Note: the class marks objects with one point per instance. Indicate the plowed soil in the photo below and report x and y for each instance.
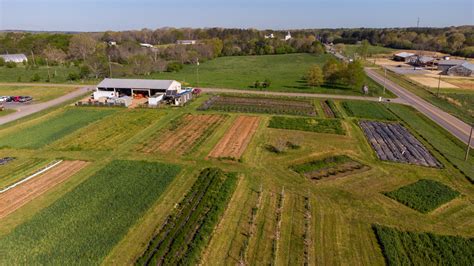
(18, 196)
(191, 130)
(237, 138)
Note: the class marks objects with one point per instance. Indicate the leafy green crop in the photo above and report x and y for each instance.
(332, 126)
(368, 110)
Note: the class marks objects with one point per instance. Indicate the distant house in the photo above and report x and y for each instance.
(288, 36)
(403, 57)
(186, 42)
(112, 43)
(445, 65)
(465, 69)
(269, 36)
(16, 58)
(146, 45)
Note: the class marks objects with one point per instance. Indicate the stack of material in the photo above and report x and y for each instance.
(393, 142)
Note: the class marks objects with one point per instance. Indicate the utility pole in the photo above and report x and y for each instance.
(384, 79)
(469, 143)
(47, 66)
(439, 84)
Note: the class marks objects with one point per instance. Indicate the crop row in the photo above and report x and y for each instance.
(186, 232)
(335, 166)
(368, 110)
(330, 126)
(329, 109)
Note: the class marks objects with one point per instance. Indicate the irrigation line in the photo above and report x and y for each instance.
(31, 176)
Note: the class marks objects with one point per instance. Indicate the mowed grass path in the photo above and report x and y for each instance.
(39, 94)
(85, 224)
(45, 132)
(240, 72)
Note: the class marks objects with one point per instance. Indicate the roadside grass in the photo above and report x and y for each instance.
(80, 228)
(56, 127)
(7, 112)
(104, 135)
(19, 169)
(367, 110)
(446, 144)
(39, 94)
(424, 195)
(352, 49)
(413, 248)
(331, 126)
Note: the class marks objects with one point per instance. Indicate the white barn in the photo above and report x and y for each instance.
(16, 58)
(128, 87)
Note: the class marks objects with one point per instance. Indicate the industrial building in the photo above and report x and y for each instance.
(445, 65)
(403, 57)
(16, 58)
(465, 69)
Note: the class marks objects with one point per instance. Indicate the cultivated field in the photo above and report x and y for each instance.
(237, 138)
(331, 126)
(19, 168)
(18, 196)
(259, 105)
(183, 135)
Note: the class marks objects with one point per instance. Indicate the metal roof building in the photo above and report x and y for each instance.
(147, 87)
(16, 58)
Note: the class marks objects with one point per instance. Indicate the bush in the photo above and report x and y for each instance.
(10, 64)
(2, 61)
(174, 67)
(36, 77)
(73, 76)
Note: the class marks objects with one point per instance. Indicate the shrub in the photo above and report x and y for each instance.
(36, 77)
(174, 67)
(10, 64)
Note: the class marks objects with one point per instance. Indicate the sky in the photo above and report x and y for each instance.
(101, 15)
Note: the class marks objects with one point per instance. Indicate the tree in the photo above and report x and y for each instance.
(315, 76)
(363, 49)
(81, 46)
(354, 74)
(331, 70)
(54, 54)
(141, 64)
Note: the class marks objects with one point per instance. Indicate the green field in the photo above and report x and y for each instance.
(331, 126)
(58, 74)
(410, 248)
(424, 195)
(352, 49)
(39, 94)
(41, 134)
(18, 169)
(367, 110)
(85, 224)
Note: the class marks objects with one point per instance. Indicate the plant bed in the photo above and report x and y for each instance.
(423, 195)
(393, 142)
(330, 167)
(187, 231)
(259, 105)
(412, 248)
(368, 110)
(331, 126)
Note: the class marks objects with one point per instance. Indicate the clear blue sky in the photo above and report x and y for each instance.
(99, 15)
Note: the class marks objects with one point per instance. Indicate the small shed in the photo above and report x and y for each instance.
(15, 58)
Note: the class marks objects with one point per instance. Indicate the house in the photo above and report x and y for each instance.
(444, 65)
(465, 69)
(403, 57)
(16, 58)
(146, 45)
(186, 42)
(288, 36)
(112, 43)
(269, 36)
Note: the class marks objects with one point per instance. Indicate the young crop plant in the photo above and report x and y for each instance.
(187, 231)
(85, 224)
(368, 110)
(331, 126)
(413, 248)
(424, 195)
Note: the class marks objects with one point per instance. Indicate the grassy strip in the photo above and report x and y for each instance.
(410, 248)
(187, 231)
(332, 126)
(19, 169)
(367, 110)
(320, 164)
(423, 195)
(55, 128)
(86, 223)
(447, 145)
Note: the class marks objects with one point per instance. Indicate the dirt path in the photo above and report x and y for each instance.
(237, 137)
(16, 197)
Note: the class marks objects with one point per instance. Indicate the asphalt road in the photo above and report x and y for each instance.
(23, 110)
(451, 123)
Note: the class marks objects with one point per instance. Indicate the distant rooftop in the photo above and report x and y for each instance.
(404, 54)
(451, 62)
(17, 58)
(136, 84)
(468, 65)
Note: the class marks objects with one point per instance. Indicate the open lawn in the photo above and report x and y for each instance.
(367, 110)
(20, 73)
(39, 94)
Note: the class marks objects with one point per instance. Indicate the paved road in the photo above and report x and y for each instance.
(457, 127)
(295, 94)
(28, 109)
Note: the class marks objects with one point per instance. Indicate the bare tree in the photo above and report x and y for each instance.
(54, 55)
(81, 46)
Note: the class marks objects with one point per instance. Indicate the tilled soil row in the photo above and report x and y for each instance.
(15, 198)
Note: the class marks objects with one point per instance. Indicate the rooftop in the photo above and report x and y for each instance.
(452, 62)
(136, 84)
(468, 65)
(404, 54)
(14, 57)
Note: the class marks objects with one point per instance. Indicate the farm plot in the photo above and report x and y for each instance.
(184, 135)
(110, 132)
(331, 126)
(368, 110)
(412, 248)
(393, 142)
(18, 169)
(259, 105)
(330, 167)
(329, 109)
(18, 196)
(82, 229)
(45, 132)
(423, 195)
(187, 231)
(237, 138)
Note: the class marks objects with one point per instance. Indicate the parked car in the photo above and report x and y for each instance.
(24, 99)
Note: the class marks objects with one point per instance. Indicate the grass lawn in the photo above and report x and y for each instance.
(351, 50)
(367, 110)
(39, 94)
(240, 72)
(85, 224)
(58, 74)
(6, 112)
(45, 132)
(424, 195)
